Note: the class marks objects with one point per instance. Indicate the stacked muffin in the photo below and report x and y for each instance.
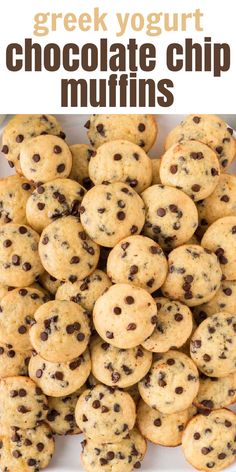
(117, 282)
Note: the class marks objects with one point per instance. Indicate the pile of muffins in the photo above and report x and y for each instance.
(118, 292)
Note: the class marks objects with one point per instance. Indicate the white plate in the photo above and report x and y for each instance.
(161, 459)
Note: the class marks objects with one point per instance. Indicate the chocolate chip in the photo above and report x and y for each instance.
(227, 291)
(70, 329)
(45, 240)
(133, 270)
(19, 138)
(115, 376)
(173, 169)
(210, 465)
(87, 124)
(221, 456)
(73, 278)
(228, 424)
(173, 208)
(77, 326)
(105, 409)
(197, 156)
(110, 455)
(211, 329)
(36, 157)
(109, 335)
(59, 375)
(40, 446)
(205, 451)
(105, 346)
(22, 329)
(84, 286)
(75, 364)
(120, 215)
(82, 234)
(188, 279)
(26, 266)
(157, 422)
(224, 198)
(141, 127)
(124, 246)
(214, 172)
(5, 149)
(154, 250)
(125, 190)
(100, 129)
(11, 354)
(179, 390)
(137, 465)
(132, 182)
(206, 358)
(39, 373)
(22, 409)
(15, 260)
(219, 252)
(219, 149)
(80, 337)
(188, 295)
(22, 230)
(131, 327)
(121, 204)
(117, 310)
(96, 404)
(117, 157)
(60, 168)
(196, 119)
(161, 382)
(57, 149)
(186, 287)
(129, 300)
(40, 205)
(7, 243)
(208, 404)
(133, 229)
(161, 212)
(16, 454)
(116, 408)
(43, 336)
(196, 436)
(75, 260)
(195, 188)
(26, 186)
(62, 135)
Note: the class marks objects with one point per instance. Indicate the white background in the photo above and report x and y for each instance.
(194, 92)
